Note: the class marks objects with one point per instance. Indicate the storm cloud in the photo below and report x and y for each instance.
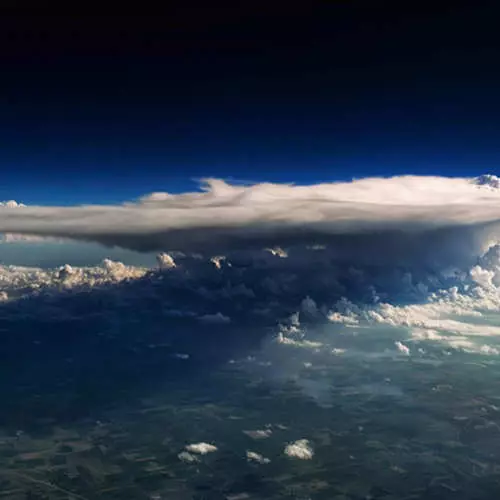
(377, 219)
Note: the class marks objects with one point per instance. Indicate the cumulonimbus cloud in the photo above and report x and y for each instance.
(398, 216)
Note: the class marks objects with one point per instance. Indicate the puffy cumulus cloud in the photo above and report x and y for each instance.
(488, 180)
(435, 318)
(17, 281)
(193, 296)
(301, 316)
(462, 316)
(11, 204)
(252, 456)
(378, 220)
(300, 449)
(263, 289)
(165, 261)
(201, 448)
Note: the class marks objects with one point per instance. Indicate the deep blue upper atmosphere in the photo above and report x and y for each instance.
(103, 109)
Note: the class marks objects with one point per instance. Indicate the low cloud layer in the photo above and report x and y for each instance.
(396, 218)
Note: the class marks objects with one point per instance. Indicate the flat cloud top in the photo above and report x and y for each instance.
(224, 216)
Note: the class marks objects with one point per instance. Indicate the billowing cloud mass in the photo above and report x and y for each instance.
(388, 315)
(407, 218)
(417, 256)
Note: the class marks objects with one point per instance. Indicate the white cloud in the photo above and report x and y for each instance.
(403, 349)
(300, 449)
(259, 433)
(279, 252)
(201, 448)
(450, 317)
(26, 238)
(482, 277)
(422, 276)
(488, 180)
(215, 319)
(180, 355)
(257, 457)
(11, 204)
(187, 457)
(283, 339)
(165, 261)
(370, 218)
(17, 281)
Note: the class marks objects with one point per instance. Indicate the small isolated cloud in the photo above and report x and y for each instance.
(403, 349)
(165, 261)
(257, 457)
(300, 449)
(303, 343)
(187, 457)
(215, 319)
(201, 448)
(259, 433)
(183, 356)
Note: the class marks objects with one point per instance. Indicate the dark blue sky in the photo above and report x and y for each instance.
(106, 109)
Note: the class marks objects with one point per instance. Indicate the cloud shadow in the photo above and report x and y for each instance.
(67, 354)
